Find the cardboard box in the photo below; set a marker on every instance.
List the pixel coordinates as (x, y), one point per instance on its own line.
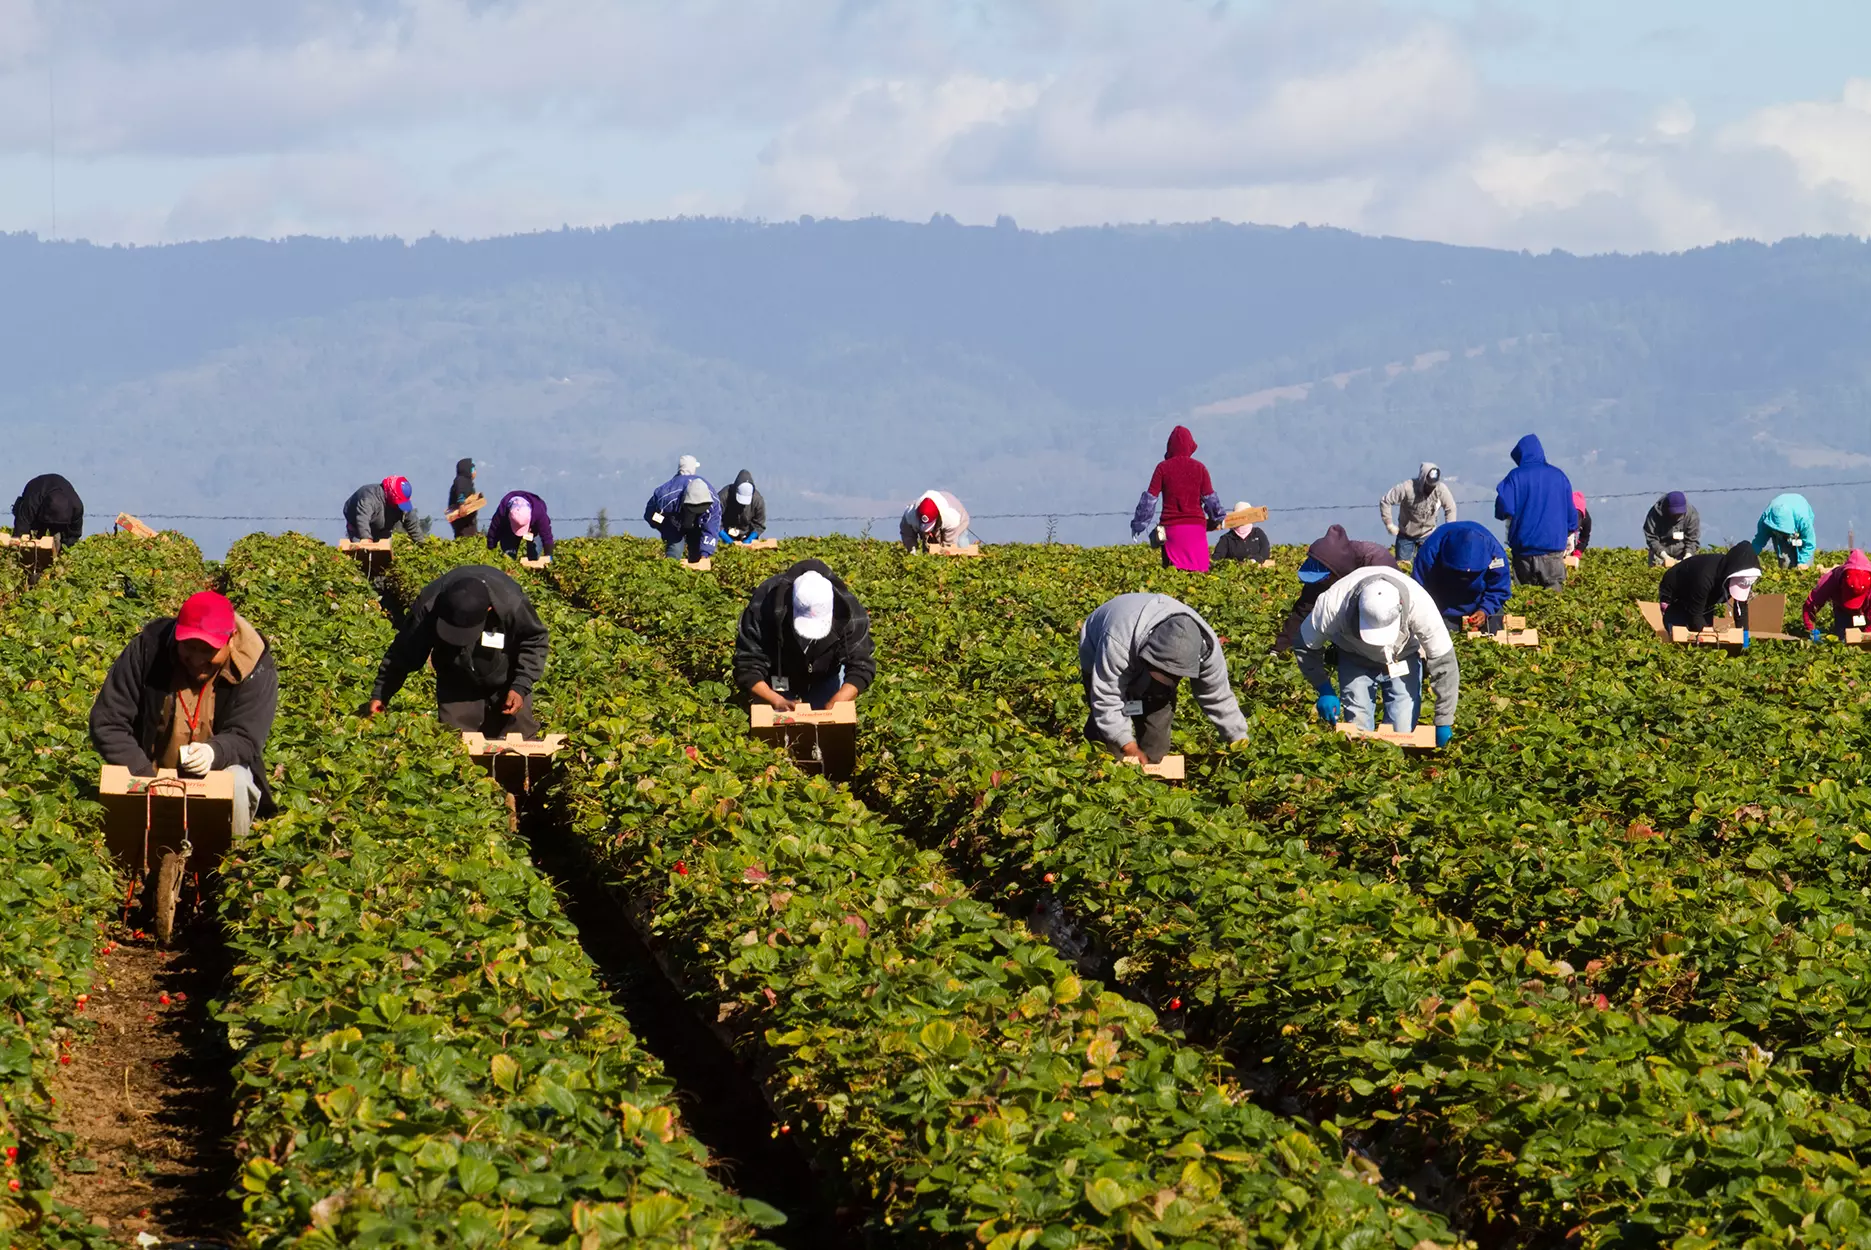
(373, 554)
(763, 544)
(1422, 739)
(1516, 633)
(700, 566)
(1572, 562)
(1857, 637)
(36, 554)
(954, 549)
(1767, 618)
(824, 742)
(469, 506)
(133, 527)
(144, 817)
(1169, 768)
(513, 761)
(540, 563)
(1244, 516)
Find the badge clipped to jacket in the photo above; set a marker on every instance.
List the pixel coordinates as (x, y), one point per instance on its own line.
(1858, 621)
(1133, 707)
(1676, 535)
(1397, 668)
(780, 684)
(494, 642)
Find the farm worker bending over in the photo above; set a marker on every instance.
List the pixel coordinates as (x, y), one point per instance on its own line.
(521, 526)
(1464, 569)
(488, 647)
(1387, 630)
(1692, 591)
(1672, 529)
(1535, 499)
(378, 509)
(935, 519)
(1417, 502)
(1327, 560)
(1191, 507)
(1581, 536)
(49, 505)
(1847, 589)
(743, 511)
(1787, 527)
(196, 693)
(804, 641)
(459, 490)
(1132, 652)
(686, 513)
(1244, 542)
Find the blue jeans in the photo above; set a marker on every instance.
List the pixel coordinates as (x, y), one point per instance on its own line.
(1358, 684)
(1406, 548)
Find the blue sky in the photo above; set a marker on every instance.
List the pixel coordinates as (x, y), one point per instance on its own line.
(1584, 124)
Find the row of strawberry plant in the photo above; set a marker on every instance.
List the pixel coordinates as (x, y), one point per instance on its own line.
(955, 1071)
(424, 1045)
(1191, 898)
(57, 885)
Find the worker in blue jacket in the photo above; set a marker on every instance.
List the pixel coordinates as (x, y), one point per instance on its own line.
(1535, 499)
(1787, 527)
(685, 512)
(1464, 569)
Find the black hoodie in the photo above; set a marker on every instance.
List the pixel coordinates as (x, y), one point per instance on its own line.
(1341, 553)
(49, 505)
(1699, 585)
(749, 518)
(766, 645)
(463, 485)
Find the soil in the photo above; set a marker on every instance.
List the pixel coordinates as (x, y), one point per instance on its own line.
(148, 1096)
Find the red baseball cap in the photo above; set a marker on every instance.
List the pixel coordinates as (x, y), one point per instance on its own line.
(205, 616)
(1857, 587)
(928, 513)
(396, 490)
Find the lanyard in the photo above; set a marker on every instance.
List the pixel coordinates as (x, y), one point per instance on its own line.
(194, 717)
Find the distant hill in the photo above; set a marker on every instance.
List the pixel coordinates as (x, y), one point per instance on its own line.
(852, 365)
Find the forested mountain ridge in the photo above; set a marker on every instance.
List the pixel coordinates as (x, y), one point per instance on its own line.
(853, 364)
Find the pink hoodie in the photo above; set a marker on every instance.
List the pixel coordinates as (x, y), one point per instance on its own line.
(1835, 588)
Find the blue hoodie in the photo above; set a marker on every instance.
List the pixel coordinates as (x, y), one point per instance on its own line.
(1464, 569)
(668, 500)
(1535, 499)
(1788, 516)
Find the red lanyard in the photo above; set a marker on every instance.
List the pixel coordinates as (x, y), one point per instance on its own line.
(194, 717)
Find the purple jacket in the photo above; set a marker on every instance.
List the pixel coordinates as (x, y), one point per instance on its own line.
(500, 532)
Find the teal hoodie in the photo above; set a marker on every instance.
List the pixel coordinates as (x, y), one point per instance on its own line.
(1788, 518)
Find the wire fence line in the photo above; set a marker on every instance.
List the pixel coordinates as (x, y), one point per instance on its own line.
(1064, 515)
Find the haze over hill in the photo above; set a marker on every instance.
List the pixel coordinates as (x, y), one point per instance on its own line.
(854, 364)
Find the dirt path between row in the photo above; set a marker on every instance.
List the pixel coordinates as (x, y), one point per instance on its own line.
(147, 1097)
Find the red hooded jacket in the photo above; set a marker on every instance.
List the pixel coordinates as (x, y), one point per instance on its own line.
(1835, 588)
(1182, 481)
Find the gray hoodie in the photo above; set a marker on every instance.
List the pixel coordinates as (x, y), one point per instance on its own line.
(1416, 503)
(1108, 646)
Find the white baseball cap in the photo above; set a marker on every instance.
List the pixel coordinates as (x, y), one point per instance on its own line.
(1380, 612)
(812, 605)
(744, 493)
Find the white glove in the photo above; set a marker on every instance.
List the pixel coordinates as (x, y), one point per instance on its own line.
(197, 759)
(1392, 529)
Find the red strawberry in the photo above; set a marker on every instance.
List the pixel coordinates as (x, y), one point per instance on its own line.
(65, 1058)
(1175, 1004)
(682, 868)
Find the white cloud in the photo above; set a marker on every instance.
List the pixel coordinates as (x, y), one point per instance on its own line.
(187, 118)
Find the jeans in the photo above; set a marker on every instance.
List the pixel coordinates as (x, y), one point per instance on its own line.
(1548, 569)
(246, 801)
(1359, 680)
(688, 547)
(484, 716)
(1406, 549)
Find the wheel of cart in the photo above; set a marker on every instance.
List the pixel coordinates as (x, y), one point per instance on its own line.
(166, 833)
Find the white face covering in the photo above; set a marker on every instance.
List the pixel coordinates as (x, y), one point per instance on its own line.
(1739, 588)
(1242, 531)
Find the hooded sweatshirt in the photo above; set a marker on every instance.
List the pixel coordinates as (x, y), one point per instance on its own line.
(1417, 502)
(1788, 527)
(1181, 480)
(666, 502)
(951, 527)
(1535, 499)
(1342, 554)
(1464, 569)
(1584, 526)
(1849, 611)
(481, 671)
(746, 518)
(1699, 585)
(1334, 620)
(500, 534)
(1112, 645)
(134, 721)
(463, 485)
(48, 505)
(1661, 531)
(766, 648)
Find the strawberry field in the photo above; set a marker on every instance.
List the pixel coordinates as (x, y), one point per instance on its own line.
(1593, 975)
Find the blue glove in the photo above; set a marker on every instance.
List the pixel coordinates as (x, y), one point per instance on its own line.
(1817, 636)
(1330, 709)
(1744, 639)
(1443, 734)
